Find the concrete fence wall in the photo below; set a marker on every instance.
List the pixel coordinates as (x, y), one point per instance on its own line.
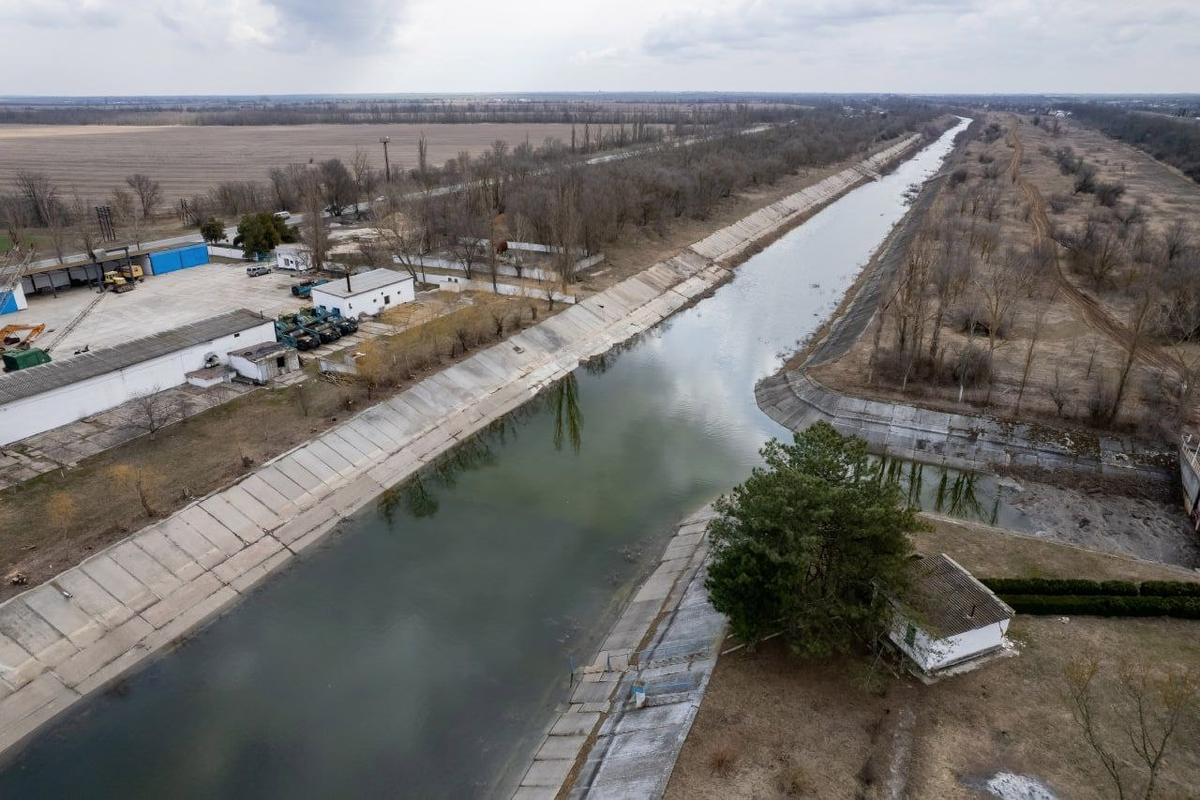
(453, 283)
(227, 252)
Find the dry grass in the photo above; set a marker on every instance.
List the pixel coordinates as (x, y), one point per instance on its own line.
(809, 729)
(189, 160)
(995, 552)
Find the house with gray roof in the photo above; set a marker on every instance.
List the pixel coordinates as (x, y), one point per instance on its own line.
(946, 616)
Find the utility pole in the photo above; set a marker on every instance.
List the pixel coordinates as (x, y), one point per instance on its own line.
(387, 167)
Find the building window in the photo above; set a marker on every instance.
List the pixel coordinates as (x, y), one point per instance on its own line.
(387, 298)
(281, 362)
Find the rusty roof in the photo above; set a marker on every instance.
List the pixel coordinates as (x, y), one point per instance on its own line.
(946, 600)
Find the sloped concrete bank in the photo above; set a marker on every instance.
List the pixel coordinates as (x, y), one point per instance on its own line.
(796, 400)
(98, 621)
(667, 639)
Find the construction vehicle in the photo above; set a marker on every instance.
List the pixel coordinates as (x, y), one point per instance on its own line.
(117, 283)
(294, 336)
(304, 288)
(23, 359)
(9, 340)
(312, 323)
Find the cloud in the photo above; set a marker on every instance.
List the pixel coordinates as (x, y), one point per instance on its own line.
(359, 25)
(62, 13)
(758, 23)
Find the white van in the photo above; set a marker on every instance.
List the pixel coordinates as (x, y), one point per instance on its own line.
(283, 215)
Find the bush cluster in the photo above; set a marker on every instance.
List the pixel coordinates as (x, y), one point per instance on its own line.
(1105, 605)
(1099, 598)
(1074, 586)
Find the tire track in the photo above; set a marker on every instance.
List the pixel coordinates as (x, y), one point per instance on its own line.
(1086, 307)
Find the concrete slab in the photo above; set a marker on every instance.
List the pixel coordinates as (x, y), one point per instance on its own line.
(87, 594)
(37, 637)
(548, 773)
(252, 507)
(156, 544)
(200, 521)
(17, 666)
(561, 747)
(237, 523)
(181, 599)
(64, 615)
(117, 582)
(266, 494)
(87, 662)
(284, 486)
(139, 564)
(312, 460)
(300, 476)
(575, 724)
(328, 456)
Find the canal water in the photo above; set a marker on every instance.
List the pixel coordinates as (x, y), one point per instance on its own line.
(421, 653)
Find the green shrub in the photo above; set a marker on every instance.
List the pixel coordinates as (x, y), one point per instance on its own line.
(1170, 589)
(1077, 587)
(1119, 588)
(1047, 586)
(1105, 605)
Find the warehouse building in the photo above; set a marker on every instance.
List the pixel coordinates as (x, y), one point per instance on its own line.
(367, 294)
(45, 397)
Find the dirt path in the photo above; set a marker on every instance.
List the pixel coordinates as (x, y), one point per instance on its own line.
(1087, 308)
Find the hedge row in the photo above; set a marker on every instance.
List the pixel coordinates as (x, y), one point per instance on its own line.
(1105, 605)
(1079, 588)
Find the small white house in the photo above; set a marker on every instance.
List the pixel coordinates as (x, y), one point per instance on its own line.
(947, 617)
(262, 362)
(368, 293)
(293, 257)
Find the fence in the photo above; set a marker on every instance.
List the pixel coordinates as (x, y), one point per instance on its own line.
(454, 283)
(227, 252)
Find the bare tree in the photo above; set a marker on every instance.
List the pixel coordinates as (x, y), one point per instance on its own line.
(1035, 333)
(148, 191)
(40, 192)
(1145, 711)
(151, 411)
(1138, 330)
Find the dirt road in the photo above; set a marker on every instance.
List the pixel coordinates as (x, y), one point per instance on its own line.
(1086, 307)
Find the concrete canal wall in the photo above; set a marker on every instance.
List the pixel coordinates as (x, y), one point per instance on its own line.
(98, 621)
(962, 441)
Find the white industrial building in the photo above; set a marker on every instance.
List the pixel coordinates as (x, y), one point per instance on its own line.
(44, 397)
(368, 293)
(946, 616)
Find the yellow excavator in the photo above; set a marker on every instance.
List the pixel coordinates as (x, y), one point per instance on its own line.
(11, 340)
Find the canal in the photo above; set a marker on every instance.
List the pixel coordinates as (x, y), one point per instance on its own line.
(421, 652)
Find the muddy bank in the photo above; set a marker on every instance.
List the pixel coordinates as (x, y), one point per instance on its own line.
(1134, 523)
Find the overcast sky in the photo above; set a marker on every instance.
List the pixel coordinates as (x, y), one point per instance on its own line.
(83, 47)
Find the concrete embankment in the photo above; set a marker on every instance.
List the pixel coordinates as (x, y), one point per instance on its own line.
(666, 641)
(963, 441)
(98, 621)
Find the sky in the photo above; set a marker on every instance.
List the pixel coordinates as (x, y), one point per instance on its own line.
(140, 47)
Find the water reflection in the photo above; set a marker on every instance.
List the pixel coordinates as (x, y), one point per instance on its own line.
(564, 399)
(955, 493)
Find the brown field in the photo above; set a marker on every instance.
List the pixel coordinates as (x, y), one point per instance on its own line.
(774, 726)
(189, 160)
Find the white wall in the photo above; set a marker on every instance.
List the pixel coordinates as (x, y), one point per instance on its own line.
(453, 283)
(370, 302)
(227, 252)
(932, 654)
(68, 404)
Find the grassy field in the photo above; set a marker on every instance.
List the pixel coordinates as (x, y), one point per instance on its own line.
(188, 160)
(772, 725)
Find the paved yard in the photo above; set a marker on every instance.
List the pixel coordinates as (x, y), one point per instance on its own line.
(157, 304)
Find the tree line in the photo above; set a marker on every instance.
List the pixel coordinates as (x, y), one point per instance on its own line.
(1172, 141)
